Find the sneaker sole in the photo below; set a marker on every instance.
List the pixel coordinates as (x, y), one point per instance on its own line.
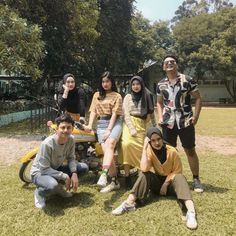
(192, 227)
(109, 190)
(198, 190)
(123, 212)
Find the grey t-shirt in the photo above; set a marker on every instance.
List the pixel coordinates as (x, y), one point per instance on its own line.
(51, 156)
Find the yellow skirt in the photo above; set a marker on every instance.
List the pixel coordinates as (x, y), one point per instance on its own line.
(131, 147)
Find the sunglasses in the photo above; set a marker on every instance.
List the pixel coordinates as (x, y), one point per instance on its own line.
(169, 62)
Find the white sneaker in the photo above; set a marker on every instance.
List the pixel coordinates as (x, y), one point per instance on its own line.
(63, 193)
(112, 186)
(102, 180)
(39, 201)
(191, 220)
(123, 208)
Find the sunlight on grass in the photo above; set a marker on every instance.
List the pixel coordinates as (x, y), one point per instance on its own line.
(88, 212)
(217, 122)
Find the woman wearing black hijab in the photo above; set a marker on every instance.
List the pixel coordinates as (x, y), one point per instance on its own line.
(162, 174)
(138, 109)
(71, 99)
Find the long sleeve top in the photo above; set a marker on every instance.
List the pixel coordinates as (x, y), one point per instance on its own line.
(74, 103)
(51, 156)
(130, 109)
(170, 167)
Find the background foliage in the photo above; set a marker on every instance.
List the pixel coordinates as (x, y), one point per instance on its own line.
(21, 47)
(88, 37)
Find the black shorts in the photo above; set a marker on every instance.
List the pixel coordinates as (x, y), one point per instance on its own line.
(186, 135)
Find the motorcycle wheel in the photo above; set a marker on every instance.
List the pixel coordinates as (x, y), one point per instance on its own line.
(24, 172)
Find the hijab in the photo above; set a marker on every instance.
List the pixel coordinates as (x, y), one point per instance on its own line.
(146, 97)
(160, 154)
(72, 101)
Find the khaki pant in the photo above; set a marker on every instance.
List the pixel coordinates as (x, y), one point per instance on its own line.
(150, 181)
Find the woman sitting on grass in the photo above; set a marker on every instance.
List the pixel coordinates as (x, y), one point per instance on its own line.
(162, 174)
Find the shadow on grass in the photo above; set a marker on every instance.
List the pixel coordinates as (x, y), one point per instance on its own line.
(108, 204)
(28, 187)
(214, 189)
(56, 205)
(89, 179)
(116, 195)
(209, 188)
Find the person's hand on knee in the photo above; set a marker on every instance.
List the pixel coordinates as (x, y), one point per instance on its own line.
(163, 189)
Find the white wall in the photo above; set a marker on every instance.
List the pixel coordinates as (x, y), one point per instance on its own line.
(212, 93)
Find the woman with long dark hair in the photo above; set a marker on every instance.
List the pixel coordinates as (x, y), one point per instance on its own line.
(106, 106)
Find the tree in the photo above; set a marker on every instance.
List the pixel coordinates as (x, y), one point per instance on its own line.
(114, 26)
(21, 47)
(141, 43)
(163, 40)
(210, 49)
(191, 8)
(149, 41)
(68, 30)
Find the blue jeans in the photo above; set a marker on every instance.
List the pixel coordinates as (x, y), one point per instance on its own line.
(48, 185)
(115, 132)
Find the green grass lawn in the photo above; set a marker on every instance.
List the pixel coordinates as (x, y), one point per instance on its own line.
(217, 122)
(88, 212)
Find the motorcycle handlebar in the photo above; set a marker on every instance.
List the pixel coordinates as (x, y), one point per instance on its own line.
(79, 125)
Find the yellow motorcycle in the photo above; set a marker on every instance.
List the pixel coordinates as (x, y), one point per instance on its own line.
(87, 150)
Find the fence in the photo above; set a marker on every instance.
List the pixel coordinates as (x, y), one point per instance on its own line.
(40, 116)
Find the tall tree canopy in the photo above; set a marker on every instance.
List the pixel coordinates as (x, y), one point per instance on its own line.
(68, 30)
(191, 8)
(114, 25)
(21, 47)
(211, 47)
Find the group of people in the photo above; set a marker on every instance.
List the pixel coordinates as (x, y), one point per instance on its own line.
(143, 145)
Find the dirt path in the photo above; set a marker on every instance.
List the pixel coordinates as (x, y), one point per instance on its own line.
(222, 145)
(12, 148)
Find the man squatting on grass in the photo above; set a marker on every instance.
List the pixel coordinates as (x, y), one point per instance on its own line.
(48, 168)
(161, 172)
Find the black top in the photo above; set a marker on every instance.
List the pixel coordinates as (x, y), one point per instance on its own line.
(74, 103)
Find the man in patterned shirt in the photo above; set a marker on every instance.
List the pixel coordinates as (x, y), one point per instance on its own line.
(175, 112)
